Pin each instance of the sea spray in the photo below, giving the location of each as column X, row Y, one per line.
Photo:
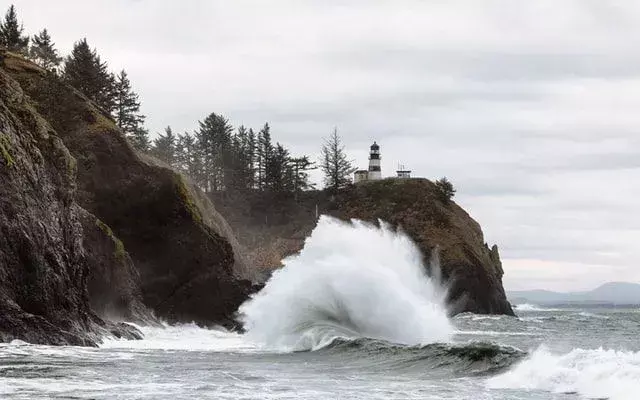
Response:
column 351, row 280
column 593, row 374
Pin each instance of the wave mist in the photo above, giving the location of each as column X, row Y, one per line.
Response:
column 351, row 280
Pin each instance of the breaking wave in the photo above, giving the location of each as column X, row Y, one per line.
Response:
column 351, row 280
column 475, row 358
column 601, row 374
column 533, row 308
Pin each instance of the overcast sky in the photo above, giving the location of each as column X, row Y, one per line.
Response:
column 532, row 109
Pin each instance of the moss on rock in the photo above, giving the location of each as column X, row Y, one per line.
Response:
column 187, row 199
column 5, row 145
column 119, row 251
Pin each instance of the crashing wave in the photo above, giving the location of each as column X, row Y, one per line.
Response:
column 351, row 280
column 602, row 374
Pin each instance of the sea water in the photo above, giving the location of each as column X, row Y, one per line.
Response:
column 353, row 316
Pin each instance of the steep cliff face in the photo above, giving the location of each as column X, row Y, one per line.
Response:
column 472, row 270
column 43, row 264
column 187, row 268
column 274, row 228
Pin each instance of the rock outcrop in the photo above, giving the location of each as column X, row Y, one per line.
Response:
column 43, row 264
column 471, row 269
column 274, row 228
column 89, row 226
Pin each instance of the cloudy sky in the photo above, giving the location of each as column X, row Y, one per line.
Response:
column 532, row 109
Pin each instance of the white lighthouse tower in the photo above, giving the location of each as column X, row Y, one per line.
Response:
column 374, row 163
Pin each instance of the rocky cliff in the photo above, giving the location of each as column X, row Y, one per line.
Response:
column 90, row 229
column 44, row 265
column 273, row 228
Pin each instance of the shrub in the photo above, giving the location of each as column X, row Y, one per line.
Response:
column 446, row 191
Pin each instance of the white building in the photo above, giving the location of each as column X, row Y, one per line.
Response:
column 403, row 172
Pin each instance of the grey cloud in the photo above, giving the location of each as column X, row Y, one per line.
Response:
column 535, row 123
column 489, row 66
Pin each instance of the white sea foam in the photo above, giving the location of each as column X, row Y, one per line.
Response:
column 495, row 333
column 187, row 337
column 600, row 373
column 350, row 280
column 533, row 307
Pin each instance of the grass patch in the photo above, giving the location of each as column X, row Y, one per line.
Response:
column 119, row 251
column 4, row 150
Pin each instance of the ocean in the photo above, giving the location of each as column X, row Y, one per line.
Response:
column 351, row 317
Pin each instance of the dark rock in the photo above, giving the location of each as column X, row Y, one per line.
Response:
column 274, row 228
column 187, row 267
column 43, row 272
column 472, row 271
column 114, row 282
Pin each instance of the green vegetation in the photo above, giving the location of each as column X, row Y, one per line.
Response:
column 334, row 163
column 85, row 71
column 187, row 199
column 127, row 111
column 446, row 190
column 43, row 52
column 11, row 31
column 119, row 250
column 4, row 150
column 220, row 158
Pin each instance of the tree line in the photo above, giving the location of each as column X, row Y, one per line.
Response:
column 217, row 156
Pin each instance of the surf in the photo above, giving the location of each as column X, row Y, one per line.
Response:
column 591, row 373
column 351, row 280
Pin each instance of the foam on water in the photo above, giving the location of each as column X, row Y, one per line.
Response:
column 533, row 308
column 187, row 337
column 600, row 373
column 351, row 280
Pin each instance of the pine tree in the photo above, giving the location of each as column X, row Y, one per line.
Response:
column 85, row 71
column 242, row 159
column 11, row 33
column 214, row 140
column 300, row 175
column 336, row 167
column 140, row 139
column 43, row 52
column 189, row 158
column 446, row 191
column 277, row 170
column 127, row 106
column 252, row 158
column 164, row 147
column 264, row 150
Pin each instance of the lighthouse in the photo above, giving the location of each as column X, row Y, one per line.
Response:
column 374, row 163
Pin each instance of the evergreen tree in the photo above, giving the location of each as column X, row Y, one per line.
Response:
column 85, row 71
column 242, row 165
column 300, row 175
column 446, row 191
column 264, row 150
column 11, row 33
column 252, row 158
column 140, row 139
column 164, row 147
column 43, row 52
column 277, row 170
column 189, row 158
column 127, row 106
column 214, row 140
column 336, row 167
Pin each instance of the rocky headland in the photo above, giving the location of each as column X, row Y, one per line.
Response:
column 272, row 228
column 92, row 233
